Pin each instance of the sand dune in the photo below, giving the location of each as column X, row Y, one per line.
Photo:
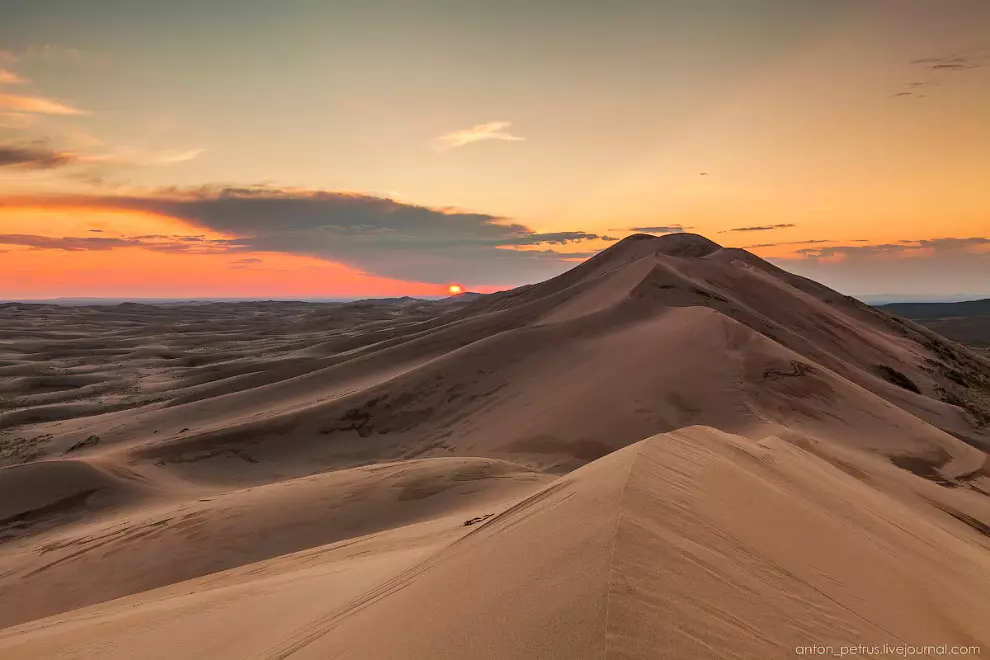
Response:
column 672, row 450
column 692, row 544
column 47, row 493
column 160, row 543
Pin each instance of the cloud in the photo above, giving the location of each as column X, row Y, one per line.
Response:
column 247, row 261
column 938, row 66
column 373, row 234
column 662, row 229
column 174, row 157
column 899, row 249
column 36, row 105
column 71, row 244
column 939, row 266
column 33, row 157
column 45, row 52
column 100, row 243
column 9, row 78
column 958, row 62
column 92, row 169
column 139, row 158
column 17, row 120
column 760, row 228
column 811, row 242
column 558, row 238
column 495, row 130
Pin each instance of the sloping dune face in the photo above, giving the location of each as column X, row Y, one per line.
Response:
column 163, row 542
column 673, row 450
column 693, row 544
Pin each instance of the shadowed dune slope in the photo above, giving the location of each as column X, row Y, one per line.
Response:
column 154, row 545
column 37, row 496
column 693, row 544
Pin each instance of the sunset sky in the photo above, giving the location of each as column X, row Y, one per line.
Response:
column 308, row 148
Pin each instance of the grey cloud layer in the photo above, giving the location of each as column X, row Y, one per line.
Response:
column 933, row 266
column 376, row 235
column 660, row 229
column 938, row 246
column 33, row 157
column 186, row 244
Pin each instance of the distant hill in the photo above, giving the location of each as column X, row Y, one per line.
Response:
column 966, row 322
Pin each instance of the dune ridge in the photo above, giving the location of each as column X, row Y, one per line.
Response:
column 674, row 449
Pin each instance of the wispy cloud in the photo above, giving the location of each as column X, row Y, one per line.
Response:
column 904, row 248
column 175, row 157
column 659, row 229
column 36, row 105
column 494, row 130
column 44, row 52
column 34, row 156
column 175, row 244
column 9, row 78
column 17, row 120
column 143, row 158
column 935, row 266
column 809, row 242
column 917, row 89
column 558, row 238
column 957, row 62
column 937, row 67
column 787, row 225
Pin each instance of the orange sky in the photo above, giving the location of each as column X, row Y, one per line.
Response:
column 846, row 140
column 134, row 272
column 124, row 272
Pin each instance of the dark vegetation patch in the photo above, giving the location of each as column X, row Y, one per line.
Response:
column 88, row 442
column 382, row 414
column 797, row 369
column 29, row 518
column 354, row 419
column 896, row 377
column 926, row 467
column 708, row 295
column 979, row 414
column 16, row 450
column 978, row 525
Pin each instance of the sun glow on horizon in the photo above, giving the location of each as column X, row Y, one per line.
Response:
column 454, row 289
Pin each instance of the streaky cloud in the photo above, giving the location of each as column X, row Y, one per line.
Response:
column 809, row 242
column 34, row 157
column 494, row 130
column 787, row 225
column 36, row 105
column 9, row 78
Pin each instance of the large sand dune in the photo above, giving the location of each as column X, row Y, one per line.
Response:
column 672, row 450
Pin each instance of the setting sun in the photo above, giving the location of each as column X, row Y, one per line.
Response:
column 454, row 289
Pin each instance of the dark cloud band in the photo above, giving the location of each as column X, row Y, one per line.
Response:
column 374, row 234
